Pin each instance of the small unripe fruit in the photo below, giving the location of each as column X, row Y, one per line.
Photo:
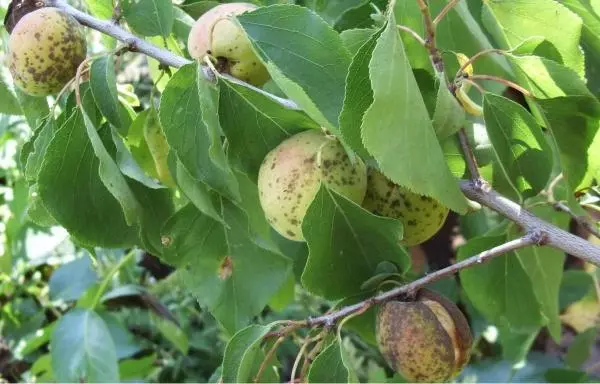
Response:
column 421, row 216
column 426, row 340
column 45, row 49
column 215, row 34
column 291, row 175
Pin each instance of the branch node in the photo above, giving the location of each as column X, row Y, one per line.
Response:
column 539, row 237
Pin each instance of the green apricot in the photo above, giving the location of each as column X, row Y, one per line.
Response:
column 291, row 175
column 217, row 35
column 45, row 49
column 421, row 216
column 426, row 340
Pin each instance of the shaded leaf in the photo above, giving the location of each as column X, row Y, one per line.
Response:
column 358, row 97
column 304, row 50
column 346, row 243
column 82, row 349
column 62, row 284
column 255, row 124
column 73, row 193
column 328, row 367
column 512, row 23
column 103, row 84
column 243, row 355
column 500, row 289
column 189, row 119
column 149, row 17
column 398, row 112
column 224, row 267
column 522, row 150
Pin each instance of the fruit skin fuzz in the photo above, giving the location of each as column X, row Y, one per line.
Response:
column 291, row 174
column 421, row 216
column 426, row 340
column 45, row 49
column 217, row 35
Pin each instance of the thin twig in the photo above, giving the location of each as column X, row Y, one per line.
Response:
column 470, row 158
column 476, row 56
column 451, row 4
column 583, row 221
column 474, row 84
column 434, row 53
column 508, row 83
column 413, row 33
column 268, row 358
column 409, row 288
column 555, row 237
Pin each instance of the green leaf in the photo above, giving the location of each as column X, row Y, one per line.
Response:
column 135, row 370
column 359, row 16
column 82, row 349
column 359, row 96
column 581, row 348
column 42, row 138
column 328, row 367
column 397, row 130
column 243, row 355
column 353, row 39
column 158, row 207
column 73, row 193
column 182, row 24
column 171, row 332
column 10, row 103
column 62, row 284
column 111, row 175
column 544, row 265
column 519, row 144
column 346, row 243
column 574, row 286
column 255, row 124
column 149, row 17
column 104, row 88
column 100, row 8
column 512, row 23
column 500, row 289
column 449, row 116
column 515, row 345
column 126, row 344
column 225, row 268
column 189, row 119
column 35, row 108
column 197, row 192
column 565, row 104
column 306, row 52
column 129, row 166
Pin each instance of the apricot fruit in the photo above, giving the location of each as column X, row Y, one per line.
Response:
column 421, row 216
column 291, row 175
column 217, row 35
column 45, row 49
column 426, row 340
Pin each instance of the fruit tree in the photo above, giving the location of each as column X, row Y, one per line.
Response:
column 420, row 176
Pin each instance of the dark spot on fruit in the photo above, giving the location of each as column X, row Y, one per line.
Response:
column 290, row 233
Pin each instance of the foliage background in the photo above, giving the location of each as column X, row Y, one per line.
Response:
column 157, row 330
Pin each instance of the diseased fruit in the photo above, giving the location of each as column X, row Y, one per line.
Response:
column 45, row 49
column 215, row 34
column 291, row 174
column 426, row 340
column 421, row 216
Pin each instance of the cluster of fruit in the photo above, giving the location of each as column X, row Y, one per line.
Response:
column 427, row 339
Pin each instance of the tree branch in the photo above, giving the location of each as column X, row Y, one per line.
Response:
column 109, row 28
column 554, row 236
column 164, row 56
column 331, row 318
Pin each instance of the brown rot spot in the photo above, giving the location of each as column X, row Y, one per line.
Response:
column 225, row 268
column 290, row 233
